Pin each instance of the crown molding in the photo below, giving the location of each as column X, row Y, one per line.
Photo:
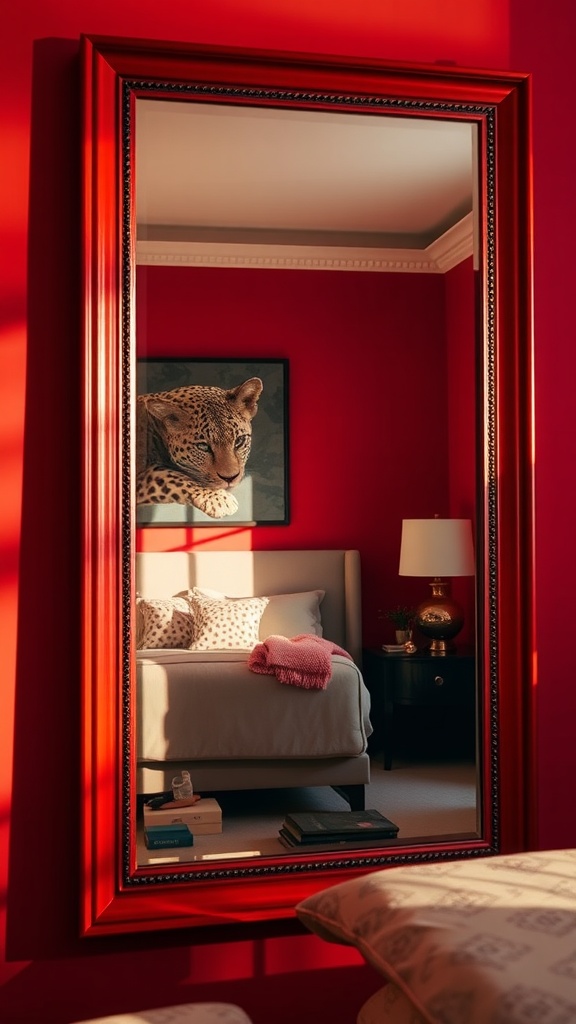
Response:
column 445, row 252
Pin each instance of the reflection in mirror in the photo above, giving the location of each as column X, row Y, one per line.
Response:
column 401, row 316
column 247, row 216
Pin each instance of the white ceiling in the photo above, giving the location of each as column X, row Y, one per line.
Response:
column 237, row 184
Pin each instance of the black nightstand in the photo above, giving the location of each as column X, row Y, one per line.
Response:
column 420, row 680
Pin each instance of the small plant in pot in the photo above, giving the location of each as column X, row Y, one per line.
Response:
column 402, row 616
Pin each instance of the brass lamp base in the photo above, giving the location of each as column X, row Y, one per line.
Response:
column 439, row 618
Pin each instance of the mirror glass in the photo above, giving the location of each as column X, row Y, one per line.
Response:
column 341, row 217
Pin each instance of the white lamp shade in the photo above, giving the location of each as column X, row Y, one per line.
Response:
column 436, row 547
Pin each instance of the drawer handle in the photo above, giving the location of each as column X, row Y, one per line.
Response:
column 439, row 680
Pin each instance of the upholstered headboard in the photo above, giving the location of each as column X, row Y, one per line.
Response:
column 262, row 573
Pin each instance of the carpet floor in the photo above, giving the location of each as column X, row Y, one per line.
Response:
column 424, row 799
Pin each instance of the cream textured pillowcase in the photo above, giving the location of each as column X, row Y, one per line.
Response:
column 285, row 614
column 292, row 614
column 483, row 940
column 389, row 1006
column 163, row 623
column 231, row 624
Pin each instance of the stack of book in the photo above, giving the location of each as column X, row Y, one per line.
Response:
column 322, row 828
column 202, row 818
column 160, row 837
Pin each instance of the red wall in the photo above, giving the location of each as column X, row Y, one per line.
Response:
column 46, row 972
column 549, row 59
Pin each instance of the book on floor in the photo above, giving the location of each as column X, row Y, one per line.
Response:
column 158, row 837
column 202, row 818
column 334, row 826
column 358, row 842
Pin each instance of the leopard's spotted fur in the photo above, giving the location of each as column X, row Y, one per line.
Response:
column 193, row 444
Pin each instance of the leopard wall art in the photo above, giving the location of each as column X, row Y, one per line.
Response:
column 192, row 445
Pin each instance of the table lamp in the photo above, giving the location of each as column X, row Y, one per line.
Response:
column 437, row 548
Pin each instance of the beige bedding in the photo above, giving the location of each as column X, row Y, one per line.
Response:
column 235, row 729
column 210, row 706
column 482, row 941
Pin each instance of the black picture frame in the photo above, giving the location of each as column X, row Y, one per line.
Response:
column 263, row 494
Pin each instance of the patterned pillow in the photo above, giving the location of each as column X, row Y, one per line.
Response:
column 230, row 624
column 163, row 622
column 285, row 614
column 485, row 939
column 388, row 1006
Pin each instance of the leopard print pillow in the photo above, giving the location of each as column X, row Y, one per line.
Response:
column 230, row 624
column 286, row 614
column 163, row 623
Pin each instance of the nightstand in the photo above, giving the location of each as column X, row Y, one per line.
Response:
column 443, row 683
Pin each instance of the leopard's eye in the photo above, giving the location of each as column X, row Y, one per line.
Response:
column 202, row 446
column 241, row 441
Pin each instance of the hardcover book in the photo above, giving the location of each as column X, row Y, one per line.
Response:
column 206, row 811
column 159, row 837
column 357, row 842
column 333, row 826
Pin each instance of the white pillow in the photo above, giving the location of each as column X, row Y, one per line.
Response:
column 231, row 624
column 163, row 623
column 284, row 615
column 292, row 614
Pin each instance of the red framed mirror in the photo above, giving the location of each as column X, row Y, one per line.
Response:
column 119, row 893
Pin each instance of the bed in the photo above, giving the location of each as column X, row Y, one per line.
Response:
column 199, row 706
column 480, row 941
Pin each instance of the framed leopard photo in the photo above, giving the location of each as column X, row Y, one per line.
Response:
column 211, row 442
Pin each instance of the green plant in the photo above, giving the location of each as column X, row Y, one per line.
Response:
column 402, row 616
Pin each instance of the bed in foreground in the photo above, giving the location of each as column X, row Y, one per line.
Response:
column 200, row 706
column 482, row 941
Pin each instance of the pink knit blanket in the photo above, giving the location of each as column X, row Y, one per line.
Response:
column 302, row 661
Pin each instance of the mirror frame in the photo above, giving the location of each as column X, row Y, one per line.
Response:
column 117, row 897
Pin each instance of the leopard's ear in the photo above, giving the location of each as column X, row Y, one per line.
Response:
column 245, row 396
column 164, row 412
